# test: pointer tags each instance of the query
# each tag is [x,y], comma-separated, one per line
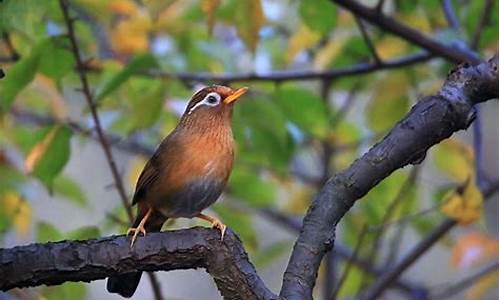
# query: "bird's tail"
[126,284]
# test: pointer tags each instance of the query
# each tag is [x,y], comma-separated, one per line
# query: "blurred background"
[324,87]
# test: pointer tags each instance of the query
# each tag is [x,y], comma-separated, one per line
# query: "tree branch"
[278,76]
[453,54]
[55,263]
[430,121]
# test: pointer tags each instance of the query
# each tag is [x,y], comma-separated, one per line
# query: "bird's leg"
[216,223]
[139,228]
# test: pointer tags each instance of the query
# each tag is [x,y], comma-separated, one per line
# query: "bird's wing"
[148,177]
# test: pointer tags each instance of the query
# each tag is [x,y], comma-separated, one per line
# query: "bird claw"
[221,226]
[136,232]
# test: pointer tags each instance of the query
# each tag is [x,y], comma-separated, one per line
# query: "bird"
[187,173]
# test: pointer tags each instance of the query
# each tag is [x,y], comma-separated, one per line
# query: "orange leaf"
[473,249]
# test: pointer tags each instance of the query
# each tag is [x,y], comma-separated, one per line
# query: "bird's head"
[211,104]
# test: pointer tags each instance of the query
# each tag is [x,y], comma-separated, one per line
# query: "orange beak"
[235,95]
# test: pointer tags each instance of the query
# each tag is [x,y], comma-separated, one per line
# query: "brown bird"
[187,173]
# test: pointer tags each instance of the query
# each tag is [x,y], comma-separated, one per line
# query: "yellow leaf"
[131,35]
[18,210]
[39,150]
[464,204]
[329,52]
[299,197]
[455,159]
[418,20]
[302,39]
[473,249]
[135,170]
[123,7]
[479,289]
[209,7]
[391,47]
[249,19]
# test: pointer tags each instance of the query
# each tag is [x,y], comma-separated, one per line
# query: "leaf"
[389,103]
[455,159]
[302,39]
[464,204]
[18,211]
[48,157]
[56,60]
[47,232]
[390,47]
[249,18]
[329,52]
[209,7]
[83,233]
[16,79]
[303,108]
[67,290]
[472,249]
[270,254]
[68,188]
[250,187]
[318,15]
[136,65]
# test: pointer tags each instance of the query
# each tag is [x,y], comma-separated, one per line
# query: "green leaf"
[46,232]
[57,59]
[22,15]
[137,64]
[16,79]
[390,102]
[303,108]
[247,185]
[249,18]
[84,233]
[55,155]
[69,189]
[68,290]
[318,15]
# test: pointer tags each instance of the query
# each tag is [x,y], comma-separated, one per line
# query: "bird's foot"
[136,232]
[216,223]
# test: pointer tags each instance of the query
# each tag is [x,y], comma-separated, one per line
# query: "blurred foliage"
[281,128]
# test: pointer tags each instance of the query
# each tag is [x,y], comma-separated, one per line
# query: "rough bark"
[55,263]
[430,121]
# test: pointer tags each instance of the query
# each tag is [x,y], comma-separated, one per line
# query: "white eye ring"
[211,99]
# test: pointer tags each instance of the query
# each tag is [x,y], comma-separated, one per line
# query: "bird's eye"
[211,99]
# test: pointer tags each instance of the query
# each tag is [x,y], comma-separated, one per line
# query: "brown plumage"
[187,173]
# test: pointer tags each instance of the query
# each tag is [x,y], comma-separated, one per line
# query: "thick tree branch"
[55,263]
[454,54]
[430,121]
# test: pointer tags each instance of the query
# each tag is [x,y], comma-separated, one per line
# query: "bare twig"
[280,76]
[367,40]
[450,14]
[100,133]
[484,20]
[349,263]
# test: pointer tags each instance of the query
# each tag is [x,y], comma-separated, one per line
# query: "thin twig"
[367,40]
[281,76]
[389,212]
[484,20]
[349,262]
[380,6]
[466,282]
[450,14]
[100,132]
